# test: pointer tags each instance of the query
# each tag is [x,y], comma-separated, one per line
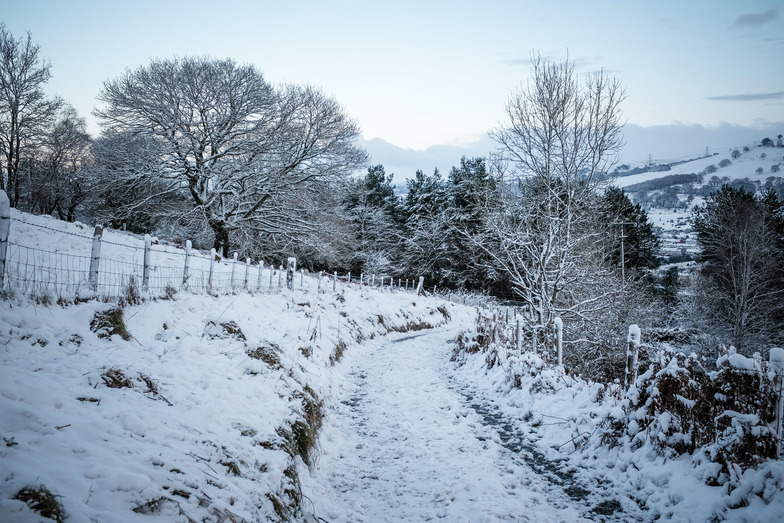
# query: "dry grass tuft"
[42,501]
[269,355]
[229,329]
[337,353]
[115,379]
[107,323]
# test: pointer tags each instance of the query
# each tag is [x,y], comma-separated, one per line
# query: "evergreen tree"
[743,265]
[376,213]
[628,228]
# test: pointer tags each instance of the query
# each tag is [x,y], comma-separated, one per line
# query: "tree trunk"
[221,233]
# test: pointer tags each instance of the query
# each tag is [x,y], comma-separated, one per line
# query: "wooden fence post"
[280,276]
[146,263]
[272,273]
[335,281]
[185,269]
[558,324]
[420,287]
[632,350]
[292,268]
[233,267]
[95,258]
[777,368]
[213,252]
[247,270]
[5,230]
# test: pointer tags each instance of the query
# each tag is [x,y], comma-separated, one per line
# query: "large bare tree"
[563,133]
[224,140]
[26,114]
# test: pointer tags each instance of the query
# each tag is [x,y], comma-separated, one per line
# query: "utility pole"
[623,249]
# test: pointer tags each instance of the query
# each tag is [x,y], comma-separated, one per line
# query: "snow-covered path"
[403,445]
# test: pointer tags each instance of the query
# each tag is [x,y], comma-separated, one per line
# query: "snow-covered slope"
[204,412]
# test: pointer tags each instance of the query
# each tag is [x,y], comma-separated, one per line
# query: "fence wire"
[56,275]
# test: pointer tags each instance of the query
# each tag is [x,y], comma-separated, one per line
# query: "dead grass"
[268,354]
[41,500]
[337,353]
[107,323]
[115,379]
[229,329]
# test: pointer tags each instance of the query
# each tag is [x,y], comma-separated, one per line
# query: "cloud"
[749,97]
[755,19]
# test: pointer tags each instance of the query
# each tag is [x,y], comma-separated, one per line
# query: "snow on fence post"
[632,350]
[321,274]
[146,263]
[302,278]
[518,337]
[258,280]
[776,367]
[233,267]
[272,273]
[280,276]
[5,230]
[558,324]
[421,286]
[291,269]
[95,259]
[188,247]
[335,281]
[247,269]
[213,253]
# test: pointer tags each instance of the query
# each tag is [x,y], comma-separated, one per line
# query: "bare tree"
[563,133]
[25,112]
[56,178]
[225,140]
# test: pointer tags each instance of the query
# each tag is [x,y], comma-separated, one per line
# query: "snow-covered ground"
[204,428]
[402,443]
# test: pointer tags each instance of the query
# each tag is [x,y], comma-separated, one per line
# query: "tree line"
[206,149]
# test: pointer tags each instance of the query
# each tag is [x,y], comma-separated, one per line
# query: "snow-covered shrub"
[744,406]
[680,408]
[671,397]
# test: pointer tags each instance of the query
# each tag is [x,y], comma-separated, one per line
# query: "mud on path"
[406,442]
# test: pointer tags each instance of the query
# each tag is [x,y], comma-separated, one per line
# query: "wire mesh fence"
[75,266]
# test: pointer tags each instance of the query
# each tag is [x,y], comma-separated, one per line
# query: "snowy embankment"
[616,449]
[206,412]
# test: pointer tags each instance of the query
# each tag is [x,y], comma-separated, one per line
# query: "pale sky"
[423,73]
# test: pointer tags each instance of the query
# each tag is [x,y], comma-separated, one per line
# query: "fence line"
[92,267]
